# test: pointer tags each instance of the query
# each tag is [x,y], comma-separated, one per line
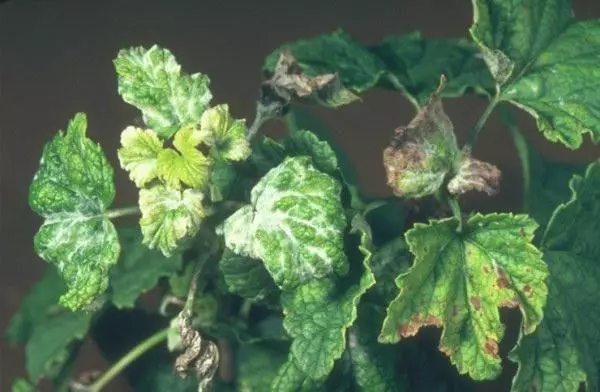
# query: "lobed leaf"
[71,190]
[151,80]
[563,353]
[139,154]
[228,136]
[294,225]
[459,280]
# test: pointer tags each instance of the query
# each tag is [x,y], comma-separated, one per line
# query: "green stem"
[479,126]
[455,207]
[128,359]
[119,212]
[246,308]
[397,85]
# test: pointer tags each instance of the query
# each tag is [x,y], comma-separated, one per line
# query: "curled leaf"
[202,356]
[218,129]
[139,154]
[474,174]
[421,154]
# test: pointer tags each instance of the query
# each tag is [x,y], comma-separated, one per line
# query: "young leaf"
[151,80]
[71,190]
[41,300]
[357,68]
[318,313]
[374,365]
[246,276]
[139,154]
[547,64]
[169,217]
[53,343]
[417,63]
[294,224]
[187,165]
[258,365]
[459,280]
[138,270]
[564,350]
[228,136]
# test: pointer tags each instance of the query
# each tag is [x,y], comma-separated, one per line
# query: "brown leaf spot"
[491,347]
[446,350]
[476,302]
[454,311]
[528,291]
[509,303]
[486,270]
[522,232]
[433,320]
[502,280]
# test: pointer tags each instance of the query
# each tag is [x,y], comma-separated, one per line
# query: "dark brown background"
[55,60]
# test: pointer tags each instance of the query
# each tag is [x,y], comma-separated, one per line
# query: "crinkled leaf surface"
[290,378]
[295,224]
[417,63]
[318,313]
[459,280]
[52,343]
[374,366]
[563,352]
[549,63]
[358,69]
[71,190]
[228,136]
[152,81]
[169,217]
[258,365]
[139,154]
[40,300]
[304,142]
[187,165]
[138,270]
[246,276]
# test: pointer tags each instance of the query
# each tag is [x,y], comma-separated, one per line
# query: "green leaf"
[389,261]
[228,136]
[151,80]
[258,365]
[306,143]
[41,300]
[290,378]
[299,120]
[139,154]
[187,165]
[459,280]
[294,225]
[417,63]
[564,350]
[138,270]
[550,63]
[169,217]
[54,342]
[22,385]
[246,276]
[71,190]
[374,365]
[318,313]
[266,154]
[358,69]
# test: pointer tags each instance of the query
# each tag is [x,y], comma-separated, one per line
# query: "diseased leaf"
[374,365]
[71,190]
[306,143]
[416,64]
[294,225]
[258,365]
[139,154]
[548,64]
[138,270]
[389,261]
[290,378]
[564,350]
[169,217]
[318,313]
[53,343]
[187,165]
[152,81]
[41,300]
[228,136]
[459,280]
[333,54]
[246,276]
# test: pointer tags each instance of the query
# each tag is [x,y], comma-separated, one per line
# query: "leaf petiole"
[480,123]
[131,356]
[119,212]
